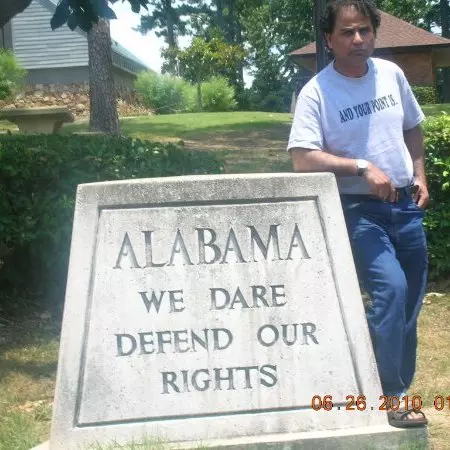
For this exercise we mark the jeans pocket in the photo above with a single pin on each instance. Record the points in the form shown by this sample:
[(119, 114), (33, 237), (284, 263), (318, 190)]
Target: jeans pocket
[(349, 204), (414, 207)]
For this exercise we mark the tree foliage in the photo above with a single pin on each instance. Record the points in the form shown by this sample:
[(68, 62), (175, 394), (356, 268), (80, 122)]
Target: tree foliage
[(81, 13), (203, 59), (84, 13), (11, 75), (170, 19), (274, 29), (416, 12)]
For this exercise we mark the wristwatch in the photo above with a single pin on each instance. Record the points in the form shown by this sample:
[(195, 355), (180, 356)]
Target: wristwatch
[(361, 165)]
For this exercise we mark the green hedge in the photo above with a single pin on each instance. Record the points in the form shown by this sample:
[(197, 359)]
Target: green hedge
[(425, 95), (437, 219), (38, 180)]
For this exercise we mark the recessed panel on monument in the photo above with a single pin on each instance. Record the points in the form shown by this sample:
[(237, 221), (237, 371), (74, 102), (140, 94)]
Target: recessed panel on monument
[(212, 307)]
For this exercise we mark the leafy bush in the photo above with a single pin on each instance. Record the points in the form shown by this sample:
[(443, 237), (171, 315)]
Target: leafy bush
[(218, 95), (425, 95), (437, 220), (274, 101), (39, 176), (243, 99), (190, 97), (12, 75), (164, 94)]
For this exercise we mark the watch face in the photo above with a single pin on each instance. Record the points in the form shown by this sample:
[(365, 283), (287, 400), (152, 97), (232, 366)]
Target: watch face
[(362, 164)]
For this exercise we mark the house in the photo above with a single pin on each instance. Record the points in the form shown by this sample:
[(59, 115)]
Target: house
[(418, 52), (60, 57)]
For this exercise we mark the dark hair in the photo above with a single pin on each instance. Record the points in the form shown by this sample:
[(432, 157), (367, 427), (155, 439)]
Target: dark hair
[(365, 7)]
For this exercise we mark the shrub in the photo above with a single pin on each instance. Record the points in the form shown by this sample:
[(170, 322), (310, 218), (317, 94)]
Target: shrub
[(425, 95), (218, 95), (12, 75), (190, 97), (164, 94), (274, 101), (39, 176), (437, 220)]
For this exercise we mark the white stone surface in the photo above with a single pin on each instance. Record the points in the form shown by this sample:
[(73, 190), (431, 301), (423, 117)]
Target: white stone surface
[(43, 446), (135, 238), (37, 120)]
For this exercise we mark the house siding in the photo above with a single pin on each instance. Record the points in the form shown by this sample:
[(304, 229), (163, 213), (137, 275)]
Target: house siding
[(37, 46)]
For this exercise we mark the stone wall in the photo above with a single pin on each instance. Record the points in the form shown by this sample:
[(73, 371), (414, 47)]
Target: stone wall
[(75, 97)]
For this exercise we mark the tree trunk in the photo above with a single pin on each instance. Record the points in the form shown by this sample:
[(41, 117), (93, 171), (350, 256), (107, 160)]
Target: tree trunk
[(170, 13), (445, 18), (199, 97), (170, 18), (10, 8), (103, 114), (240, 70), (220, 20), (445, 23)]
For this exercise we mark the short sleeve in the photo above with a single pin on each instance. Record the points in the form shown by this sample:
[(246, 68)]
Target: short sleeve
[(413, 114), (306, 130)]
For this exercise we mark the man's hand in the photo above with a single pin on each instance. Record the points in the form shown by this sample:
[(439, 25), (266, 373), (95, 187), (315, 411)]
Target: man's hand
[(380, 185), (421, 197)]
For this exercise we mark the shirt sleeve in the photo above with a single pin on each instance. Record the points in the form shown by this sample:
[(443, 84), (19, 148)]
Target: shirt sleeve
[(306, 130), (413, 114)]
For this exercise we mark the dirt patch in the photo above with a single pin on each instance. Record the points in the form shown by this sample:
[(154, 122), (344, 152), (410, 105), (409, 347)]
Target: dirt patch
[(273, 140)]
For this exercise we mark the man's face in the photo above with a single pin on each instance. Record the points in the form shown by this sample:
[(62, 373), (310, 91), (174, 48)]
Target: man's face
[(353, 38)]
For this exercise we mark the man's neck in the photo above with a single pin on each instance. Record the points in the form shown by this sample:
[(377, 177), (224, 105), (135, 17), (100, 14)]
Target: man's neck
[(351, 71)]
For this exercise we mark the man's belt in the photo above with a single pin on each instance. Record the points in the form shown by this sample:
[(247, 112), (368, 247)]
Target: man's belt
[(405, 192)]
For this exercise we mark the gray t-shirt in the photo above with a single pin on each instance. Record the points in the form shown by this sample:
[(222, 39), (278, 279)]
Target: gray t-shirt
[(359, 118)]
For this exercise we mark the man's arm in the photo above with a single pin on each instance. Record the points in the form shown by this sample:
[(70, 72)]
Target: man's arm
[(307, 160), (414, 142)]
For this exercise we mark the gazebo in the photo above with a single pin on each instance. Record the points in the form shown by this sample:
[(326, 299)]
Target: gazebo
[(416, 51)]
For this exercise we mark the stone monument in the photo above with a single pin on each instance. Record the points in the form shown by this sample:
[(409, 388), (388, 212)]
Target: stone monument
[(216, 310)]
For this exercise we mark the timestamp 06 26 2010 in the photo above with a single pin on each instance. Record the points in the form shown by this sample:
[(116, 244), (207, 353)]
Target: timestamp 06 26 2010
[(385, 403)]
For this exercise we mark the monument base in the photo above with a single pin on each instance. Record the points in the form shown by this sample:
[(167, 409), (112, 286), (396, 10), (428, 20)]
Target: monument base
[(373, 438)]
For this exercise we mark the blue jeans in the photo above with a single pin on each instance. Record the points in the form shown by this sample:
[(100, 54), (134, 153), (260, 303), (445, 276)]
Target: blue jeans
[(390, 253)]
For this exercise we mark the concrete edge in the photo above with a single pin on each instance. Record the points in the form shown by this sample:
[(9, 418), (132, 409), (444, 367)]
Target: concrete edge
[(375, 437)]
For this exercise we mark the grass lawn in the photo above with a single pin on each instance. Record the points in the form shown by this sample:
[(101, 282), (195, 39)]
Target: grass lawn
[(191, 125), (435, 110)]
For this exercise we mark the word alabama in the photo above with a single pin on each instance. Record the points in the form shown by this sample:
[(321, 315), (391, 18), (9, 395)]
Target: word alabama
[(208, 246)]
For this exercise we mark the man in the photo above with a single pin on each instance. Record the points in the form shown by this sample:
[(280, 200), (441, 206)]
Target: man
[(359, 119)]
